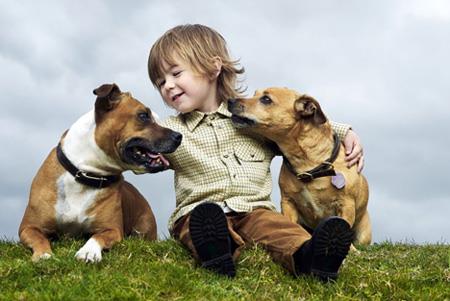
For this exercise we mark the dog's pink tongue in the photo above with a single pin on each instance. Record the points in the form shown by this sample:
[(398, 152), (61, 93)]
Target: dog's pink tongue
[(161, 157)]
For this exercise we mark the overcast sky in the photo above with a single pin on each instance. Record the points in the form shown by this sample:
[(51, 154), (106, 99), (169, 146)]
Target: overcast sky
[(382, 66)]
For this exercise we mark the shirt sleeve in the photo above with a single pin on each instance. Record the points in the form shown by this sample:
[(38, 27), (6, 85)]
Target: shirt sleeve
[(341, 129)]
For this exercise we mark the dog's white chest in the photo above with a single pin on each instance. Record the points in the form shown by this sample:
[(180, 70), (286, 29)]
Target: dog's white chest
[(73, 202)]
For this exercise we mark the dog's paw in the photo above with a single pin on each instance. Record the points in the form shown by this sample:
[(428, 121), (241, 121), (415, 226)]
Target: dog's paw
[(354, 250), (90, 252), (42, 256)]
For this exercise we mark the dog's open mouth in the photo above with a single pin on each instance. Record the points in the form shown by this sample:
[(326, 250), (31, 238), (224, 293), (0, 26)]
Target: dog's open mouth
[(137, 152), (240, 121)]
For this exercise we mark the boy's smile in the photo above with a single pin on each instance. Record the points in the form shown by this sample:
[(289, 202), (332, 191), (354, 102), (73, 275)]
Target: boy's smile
[(177, 96), (185, 90)]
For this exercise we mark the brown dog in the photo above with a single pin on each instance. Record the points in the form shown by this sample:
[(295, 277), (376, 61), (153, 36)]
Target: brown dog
[(79, 189), (314, 180)]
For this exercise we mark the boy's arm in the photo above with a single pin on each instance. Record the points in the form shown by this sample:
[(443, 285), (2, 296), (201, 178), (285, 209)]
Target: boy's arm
[(352, 144), (341, 129)]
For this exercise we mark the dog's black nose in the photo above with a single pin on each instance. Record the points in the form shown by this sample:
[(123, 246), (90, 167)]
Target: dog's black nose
[(231, 104), (176, 137)]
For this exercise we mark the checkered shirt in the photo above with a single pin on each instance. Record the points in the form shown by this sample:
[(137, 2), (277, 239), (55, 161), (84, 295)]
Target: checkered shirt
[(219, 163)]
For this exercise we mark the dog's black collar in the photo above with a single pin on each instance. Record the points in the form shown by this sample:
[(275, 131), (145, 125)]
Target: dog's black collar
[(82, 177), (325, 169)]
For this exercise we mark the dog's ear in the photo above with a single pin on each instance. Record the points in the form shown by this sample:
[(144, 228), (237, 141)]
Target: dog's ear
[(308, 108), (107, 98), (258, 92)]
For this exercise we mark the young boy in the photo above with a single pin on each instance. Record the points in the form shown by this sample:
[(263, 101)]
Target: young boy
[(222, 176)]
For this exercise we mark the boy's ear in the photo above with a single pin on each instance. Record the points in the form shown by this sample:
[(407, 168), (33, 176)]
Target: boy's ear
[(107, 99), (308, 108), (218, 64)]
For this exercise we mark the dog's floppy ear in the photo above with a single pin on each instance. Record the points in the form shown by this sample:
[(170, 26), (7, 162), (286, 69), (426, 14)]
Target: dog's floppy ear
[(308, 108), (107, 98)]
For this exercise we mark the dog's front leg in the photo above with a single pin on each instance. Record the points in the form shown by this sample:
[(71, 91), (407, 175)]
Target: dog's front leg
[(92, 249), (348, 213), (289, 210), (346, 210), (35, 239)]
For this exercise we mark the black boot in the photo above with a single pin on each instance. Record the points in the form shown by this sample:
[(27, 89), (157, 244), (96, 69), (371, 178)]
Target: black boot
[(323, 254), (211, 238)]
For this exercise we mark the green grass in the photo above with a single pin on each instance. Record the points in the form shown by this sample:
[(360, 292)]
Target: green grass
[(139, 270)]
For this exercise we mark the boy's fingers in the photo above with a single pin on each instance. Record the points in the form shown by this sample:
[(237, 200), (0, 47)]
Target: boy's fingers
[(360, 164), (353, 151), (348, 145), (352, 162), (356, 152)]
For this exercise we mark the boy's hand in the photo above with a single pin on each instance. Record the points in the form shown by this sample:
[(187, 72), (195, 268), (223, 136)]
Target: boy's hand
[(353, 150)]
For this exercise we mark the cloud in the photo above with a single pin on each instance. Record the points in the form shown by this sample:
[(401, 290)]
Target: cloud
[(419, 222), (381, 67)]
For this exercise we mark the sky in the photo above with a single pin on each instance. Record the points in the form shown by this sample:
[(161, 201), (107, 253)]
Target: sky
[(382, 66)]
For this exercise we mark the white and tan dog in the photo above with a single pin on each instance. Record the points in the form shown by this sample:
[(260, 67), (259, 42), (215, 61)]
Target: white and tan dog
[(79, 189), (315, 182)]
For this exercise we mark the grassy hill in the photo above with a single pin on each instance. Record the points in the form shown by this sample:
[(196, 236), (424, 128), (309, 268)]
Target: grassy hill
[(135, 270)]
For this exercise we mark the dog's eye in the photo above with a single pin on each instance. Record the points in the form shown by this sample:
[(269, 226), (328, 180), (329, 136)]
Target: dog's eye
[(144, 116), (265, 100)]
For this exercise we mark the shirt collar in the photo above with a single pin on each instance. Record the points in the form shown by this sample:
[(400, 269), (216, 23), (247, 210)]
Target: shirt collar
[(194, 118)]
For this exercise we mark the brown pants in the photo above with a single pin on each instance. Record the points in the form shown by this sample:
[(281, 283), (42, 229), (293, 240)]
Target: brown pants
[(272, 230)]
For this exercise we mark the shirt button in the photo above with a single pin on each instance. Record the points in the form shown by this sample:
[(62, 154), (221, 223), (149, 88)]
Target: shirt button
[(225, 156)]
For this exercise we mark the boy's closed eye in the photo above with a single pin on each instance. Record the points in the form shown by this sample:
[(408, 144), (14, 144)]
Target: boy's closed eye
[(161, 83), (176, 73)]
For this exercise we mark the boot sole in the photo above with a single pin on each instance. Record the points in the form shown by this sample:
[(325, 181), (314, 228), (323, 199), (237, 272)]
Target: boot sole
[(330, 245), (209, 233)]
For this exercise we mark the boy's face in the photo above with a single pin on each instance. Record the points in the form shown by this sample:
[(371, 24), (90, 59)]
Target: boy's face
[(186, 91)]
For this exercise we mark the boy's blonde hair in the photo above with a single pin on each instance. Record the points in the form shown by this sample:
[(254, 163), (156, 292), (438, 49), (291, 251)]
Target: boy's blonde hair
[(199, 46)]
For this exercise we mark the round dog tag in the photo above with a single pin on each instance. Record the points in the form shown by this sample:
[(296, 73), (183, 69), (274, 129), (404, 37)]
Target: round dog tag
[(338, 180)]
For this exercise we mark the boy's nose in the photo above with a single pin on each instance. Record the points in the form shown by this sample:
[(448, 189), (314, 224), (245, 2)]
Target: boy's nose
[(169, 84)]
